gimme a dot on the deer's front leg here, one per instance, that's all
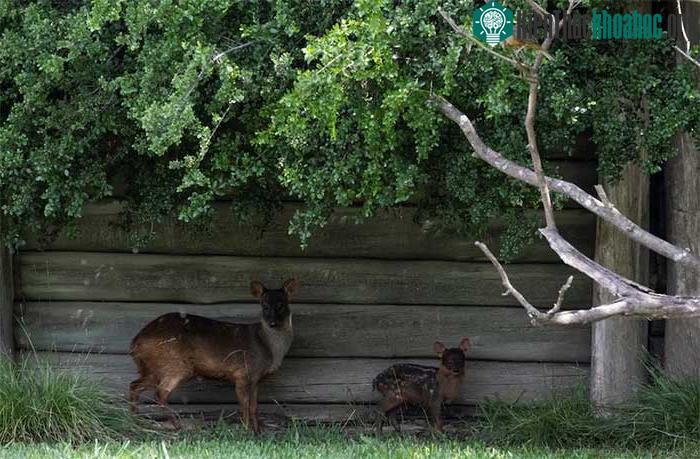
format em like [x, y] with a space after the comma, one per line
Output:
[255, 424]
[243, 395]
[435, 410]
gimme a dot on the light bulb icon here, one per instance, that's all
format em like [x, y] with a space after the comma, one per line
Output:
[494, 21]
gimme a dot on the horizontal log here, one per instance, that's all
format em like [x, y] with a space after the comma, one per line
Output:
[389, 235]
[332, 330]
[277, 414]
[212, 279]
[336, 380]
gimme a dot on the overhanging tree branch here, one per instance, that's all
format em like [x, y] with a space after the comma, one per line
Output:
[568, 189]
[634, 299]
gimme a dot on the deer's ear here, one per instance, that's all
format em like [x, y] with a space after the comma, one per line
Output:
[257, 289]
[465, 344]
[290, 286]
[438, 348]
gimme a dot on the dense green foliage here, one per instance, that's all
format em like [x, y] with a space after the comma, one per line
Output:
[175, 104]
[39, 403]
[665, 414]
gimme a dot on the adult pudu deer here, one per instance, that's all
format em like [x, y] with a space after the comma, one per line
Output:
[407, 384]
[177, 347]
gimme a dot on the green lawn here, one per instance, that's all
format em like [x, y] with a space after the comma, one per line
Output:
[231, 442]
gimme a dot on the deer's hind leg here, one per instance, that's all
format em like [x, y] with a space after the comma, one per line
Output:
[146, 382]
[390, 407]
[165, 387]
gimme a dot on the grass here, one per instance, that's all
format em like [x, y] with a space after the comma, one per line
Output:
[46, 412]
[666, 414]
[312, 442]
[41, 404]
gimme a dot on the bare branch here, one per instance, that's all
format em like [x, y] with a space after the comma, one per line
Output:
[532, 111]
[616, 284]
[534, 150]
[510, 290]
[635, 299]
[538, 8]
[603, 195]
[522, 173]
[685, 35]
[647, 305]
[218, 57]
[560, 297]
[686, 55]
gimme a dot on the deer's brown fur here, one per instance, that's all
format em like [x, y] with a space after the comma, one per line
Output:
[177, 347]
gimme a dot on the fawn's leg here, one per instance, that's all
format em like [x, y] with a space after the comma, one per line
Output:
[435, 411]
[389, 407]
[396, 418]
[379, 422]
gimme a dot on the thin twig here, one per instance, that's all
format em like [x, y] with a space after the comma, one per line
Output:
[648, 304]
[603, 195]
[685, 35]
[687, 56]
[531, 115]
[230, 50]
[560, 297]
[538, 8]
[510, 290]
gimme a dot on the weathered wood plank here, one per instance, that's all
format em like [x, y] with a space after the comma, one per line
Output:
[619, 344]
[337, 380]
[496, 333]
[682, 339]
[211, 279]
[389, 234]
[6, 301]
[275, 414]
[269, 413]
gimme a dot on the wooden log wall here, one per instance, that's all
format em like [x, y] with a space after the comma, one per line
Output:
[7, 346]
[372, 294]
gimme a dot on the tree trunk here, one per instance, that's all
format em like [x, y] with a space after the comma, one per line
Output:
[618, 344]
[6, 301]
[682, 336]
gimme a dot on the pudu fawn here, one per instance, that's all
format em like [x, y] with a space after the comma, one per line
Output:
[177, 347]
[407, 384]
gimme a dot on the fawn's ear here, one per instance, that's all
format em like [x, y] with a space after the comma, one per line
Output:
[290, 286]
[465, 344]
[257, 289]
[438, 348]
